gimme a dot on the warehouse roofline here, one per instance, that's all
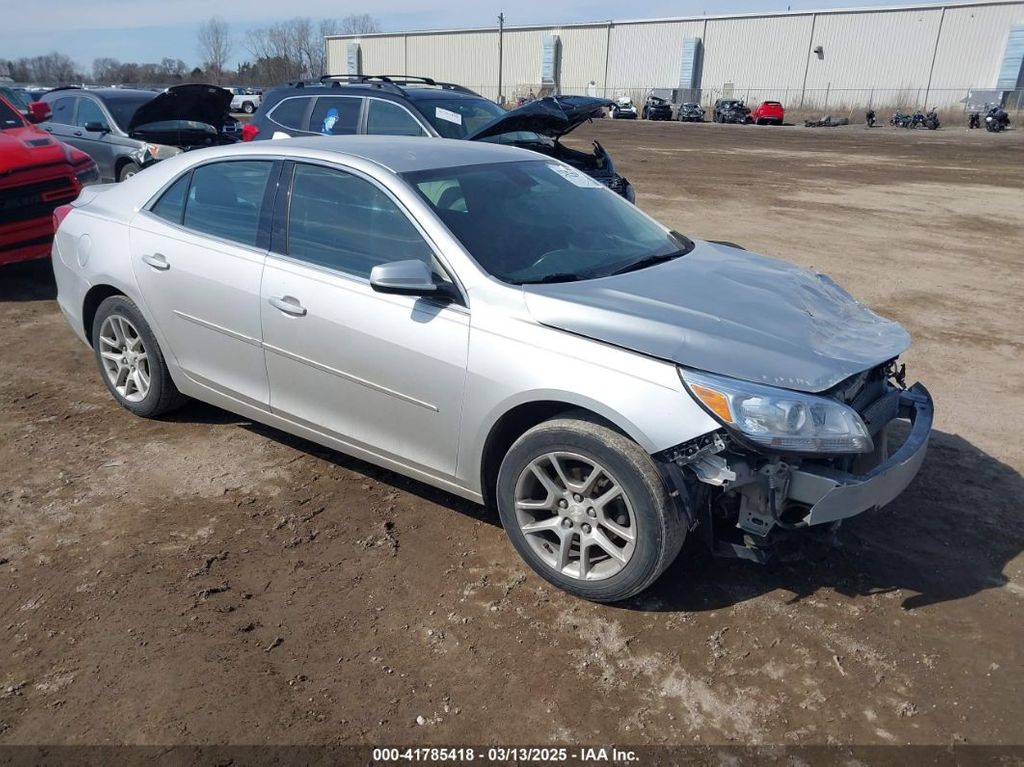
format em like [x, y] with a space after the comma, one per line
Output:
[662, 20]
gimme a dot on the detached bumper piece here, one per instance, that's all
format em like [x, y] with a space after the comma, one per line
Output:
[834, 495]
[756, 506]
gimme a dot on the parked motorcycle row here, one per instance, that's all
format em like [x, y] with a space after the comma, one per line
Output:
[996, 120]
[919, 119]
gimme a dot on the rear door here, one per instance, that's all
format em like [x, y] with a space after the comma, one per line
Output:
[62, 123]
[384, 373]
[198, 256]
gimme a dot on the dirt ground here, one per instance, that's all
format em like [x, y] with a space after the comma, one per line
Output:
[203, 579]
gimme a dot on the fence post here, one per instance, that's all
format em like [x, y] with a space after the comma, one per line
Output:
[828, 87]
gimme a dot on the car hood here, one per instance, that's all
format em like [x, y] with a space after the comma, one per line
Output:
[551, 116]
[723, 310]
[194, 102]
[27, 148]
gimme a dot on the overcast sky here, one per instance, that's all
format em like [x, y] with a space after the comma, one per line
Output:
[148, 30]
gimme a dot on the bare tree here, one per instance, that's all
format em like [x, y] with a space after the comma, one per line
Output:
[215, 45]
[358, 24]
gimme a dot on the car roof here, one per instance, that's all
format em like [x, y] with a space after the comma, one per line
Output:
[399, 154]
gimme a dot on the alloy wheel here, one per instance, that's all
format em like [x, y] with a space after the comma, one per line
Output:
[575, 515]
[125, 359]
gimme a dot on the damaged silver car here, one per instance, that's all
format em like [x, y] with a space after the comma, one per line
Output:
[502, 326]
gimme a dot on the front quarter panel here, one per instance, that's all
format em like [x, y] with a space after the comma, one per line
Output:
[514, 361]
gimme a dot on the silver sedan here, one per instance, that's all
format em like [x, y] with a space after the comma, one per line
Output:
[501, 326]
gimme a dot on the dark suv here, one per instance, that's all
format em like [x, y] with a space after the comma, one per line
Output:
[731, 111]
[419, 106]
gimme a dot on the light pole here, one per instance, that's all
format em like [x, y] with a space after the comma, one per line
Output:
[501, 35]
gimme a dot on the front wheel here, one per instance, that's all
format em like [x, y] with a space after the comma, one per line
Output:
[128, 170]
[130, 360]
[586, 508]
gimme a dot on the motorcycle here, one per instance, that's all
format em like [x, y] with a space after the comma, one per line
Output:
[974, 120]
[997, 120]
[931, 120]
[869, 118]
[900, 120]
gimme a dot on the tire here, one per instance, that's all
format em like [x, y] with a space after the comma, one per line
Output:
[248, 107]
[120, 327]
[642, 508]
[128, 170]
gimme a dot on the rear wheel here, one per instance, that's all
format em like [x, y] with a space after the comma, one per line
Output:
[587, 510]
[130, 360]
[248, 107]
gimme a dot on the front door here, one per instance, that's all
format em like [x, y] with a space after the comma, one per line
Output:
[384, 373]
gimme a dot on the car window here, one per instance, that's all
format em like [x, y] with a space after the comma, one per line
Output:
[9, 118]
[89, 112]
[344, 222]
[335, 115]
[459, 117]
[390, 119]
[224, 199]
[171, 205]
[578, 229]
[63, 110]
[289, 113]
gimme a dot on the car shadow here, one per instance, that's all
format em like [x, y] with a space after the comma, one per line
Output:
[28, 281]
[948, 536]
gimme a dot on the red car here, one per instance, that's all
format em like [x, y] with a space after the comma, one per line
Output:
[37, 173]
[769, 113]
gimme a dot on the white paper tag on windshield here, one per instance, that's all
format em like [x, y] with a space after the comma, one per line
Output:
[575, 177]
[448, 115]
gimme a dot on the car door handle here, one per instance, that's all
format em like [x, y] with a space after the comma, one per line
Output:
[49, 130]
[78, 133]
[289, 305]
[157, 261]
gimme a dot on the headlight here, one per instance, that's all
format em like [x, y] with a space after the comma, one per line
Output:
[161, 151]
[90, 175]
[780, 419]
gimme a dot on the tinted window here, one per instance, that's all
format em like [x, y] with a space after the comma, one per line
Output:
[458, 117]
[335, 115]
[123, 106]
[390, 119]
[63, 110]
[225, 197]
[171, 204]
[289, 113]
[343, 222]
[89, 112]
[577, 228]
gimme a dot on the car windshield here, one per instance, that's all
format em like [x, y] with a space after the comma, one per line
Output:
[459, 117]
[9, 118]
[124, 106]
[18, 99]
[542, 221]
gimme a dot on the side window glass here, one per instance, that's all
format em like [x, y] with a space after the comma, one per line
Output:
[63, 110]
[171, 205]
[335, 115]
[346, 223]
[389, 119]
[225, 198]
[289, 113]
[89, 112]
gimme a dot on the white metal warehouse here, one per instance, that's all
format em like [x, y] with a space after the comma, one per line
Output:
[921, 55]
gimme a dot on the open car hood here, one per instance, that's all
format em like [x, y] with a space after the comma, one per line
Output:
[551, 116]
[724, 310]
[193, 102]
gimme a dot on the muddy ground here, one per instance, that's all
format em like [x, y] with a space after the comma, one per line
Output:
[203, 579]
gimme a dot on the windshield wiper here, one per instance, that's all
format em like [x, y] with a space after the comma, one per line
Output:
[646, 261]
[556, 277]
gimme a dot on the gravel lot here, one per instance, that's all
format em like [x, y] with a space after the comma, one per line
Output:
[203, 579]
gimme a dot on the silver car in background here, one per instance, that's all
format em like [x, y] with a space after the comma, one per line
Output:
[499, 325]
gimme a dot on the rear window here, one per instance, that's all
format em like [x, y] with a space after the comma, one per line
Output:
[290, 113]
[772, 104]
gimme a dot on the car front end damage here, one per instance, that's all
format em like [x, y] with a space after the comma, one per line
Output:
[753, 492]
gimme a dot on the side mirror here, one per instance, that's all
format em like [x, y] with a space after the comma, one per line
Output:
[39, 112]
[407, 278]
[96, 127]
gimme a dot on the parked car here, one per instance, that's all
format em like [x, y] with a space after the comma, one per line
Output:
[623, 108]
[126, 130]
[245, 100]
[730, 111]
[420, 106]
[690, 112]
[499, 325]
[769, 113]
[657, 108]
[37, 174]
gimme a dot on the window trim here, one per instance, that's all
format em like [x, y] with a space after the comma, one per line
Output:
[282, 207]
[306, 112]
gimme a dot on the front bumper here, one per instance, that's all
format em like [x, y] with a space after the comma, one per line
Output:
[833, 495]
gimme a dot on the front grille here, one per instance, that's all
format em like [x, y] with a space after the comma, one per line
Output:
[38, 200]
